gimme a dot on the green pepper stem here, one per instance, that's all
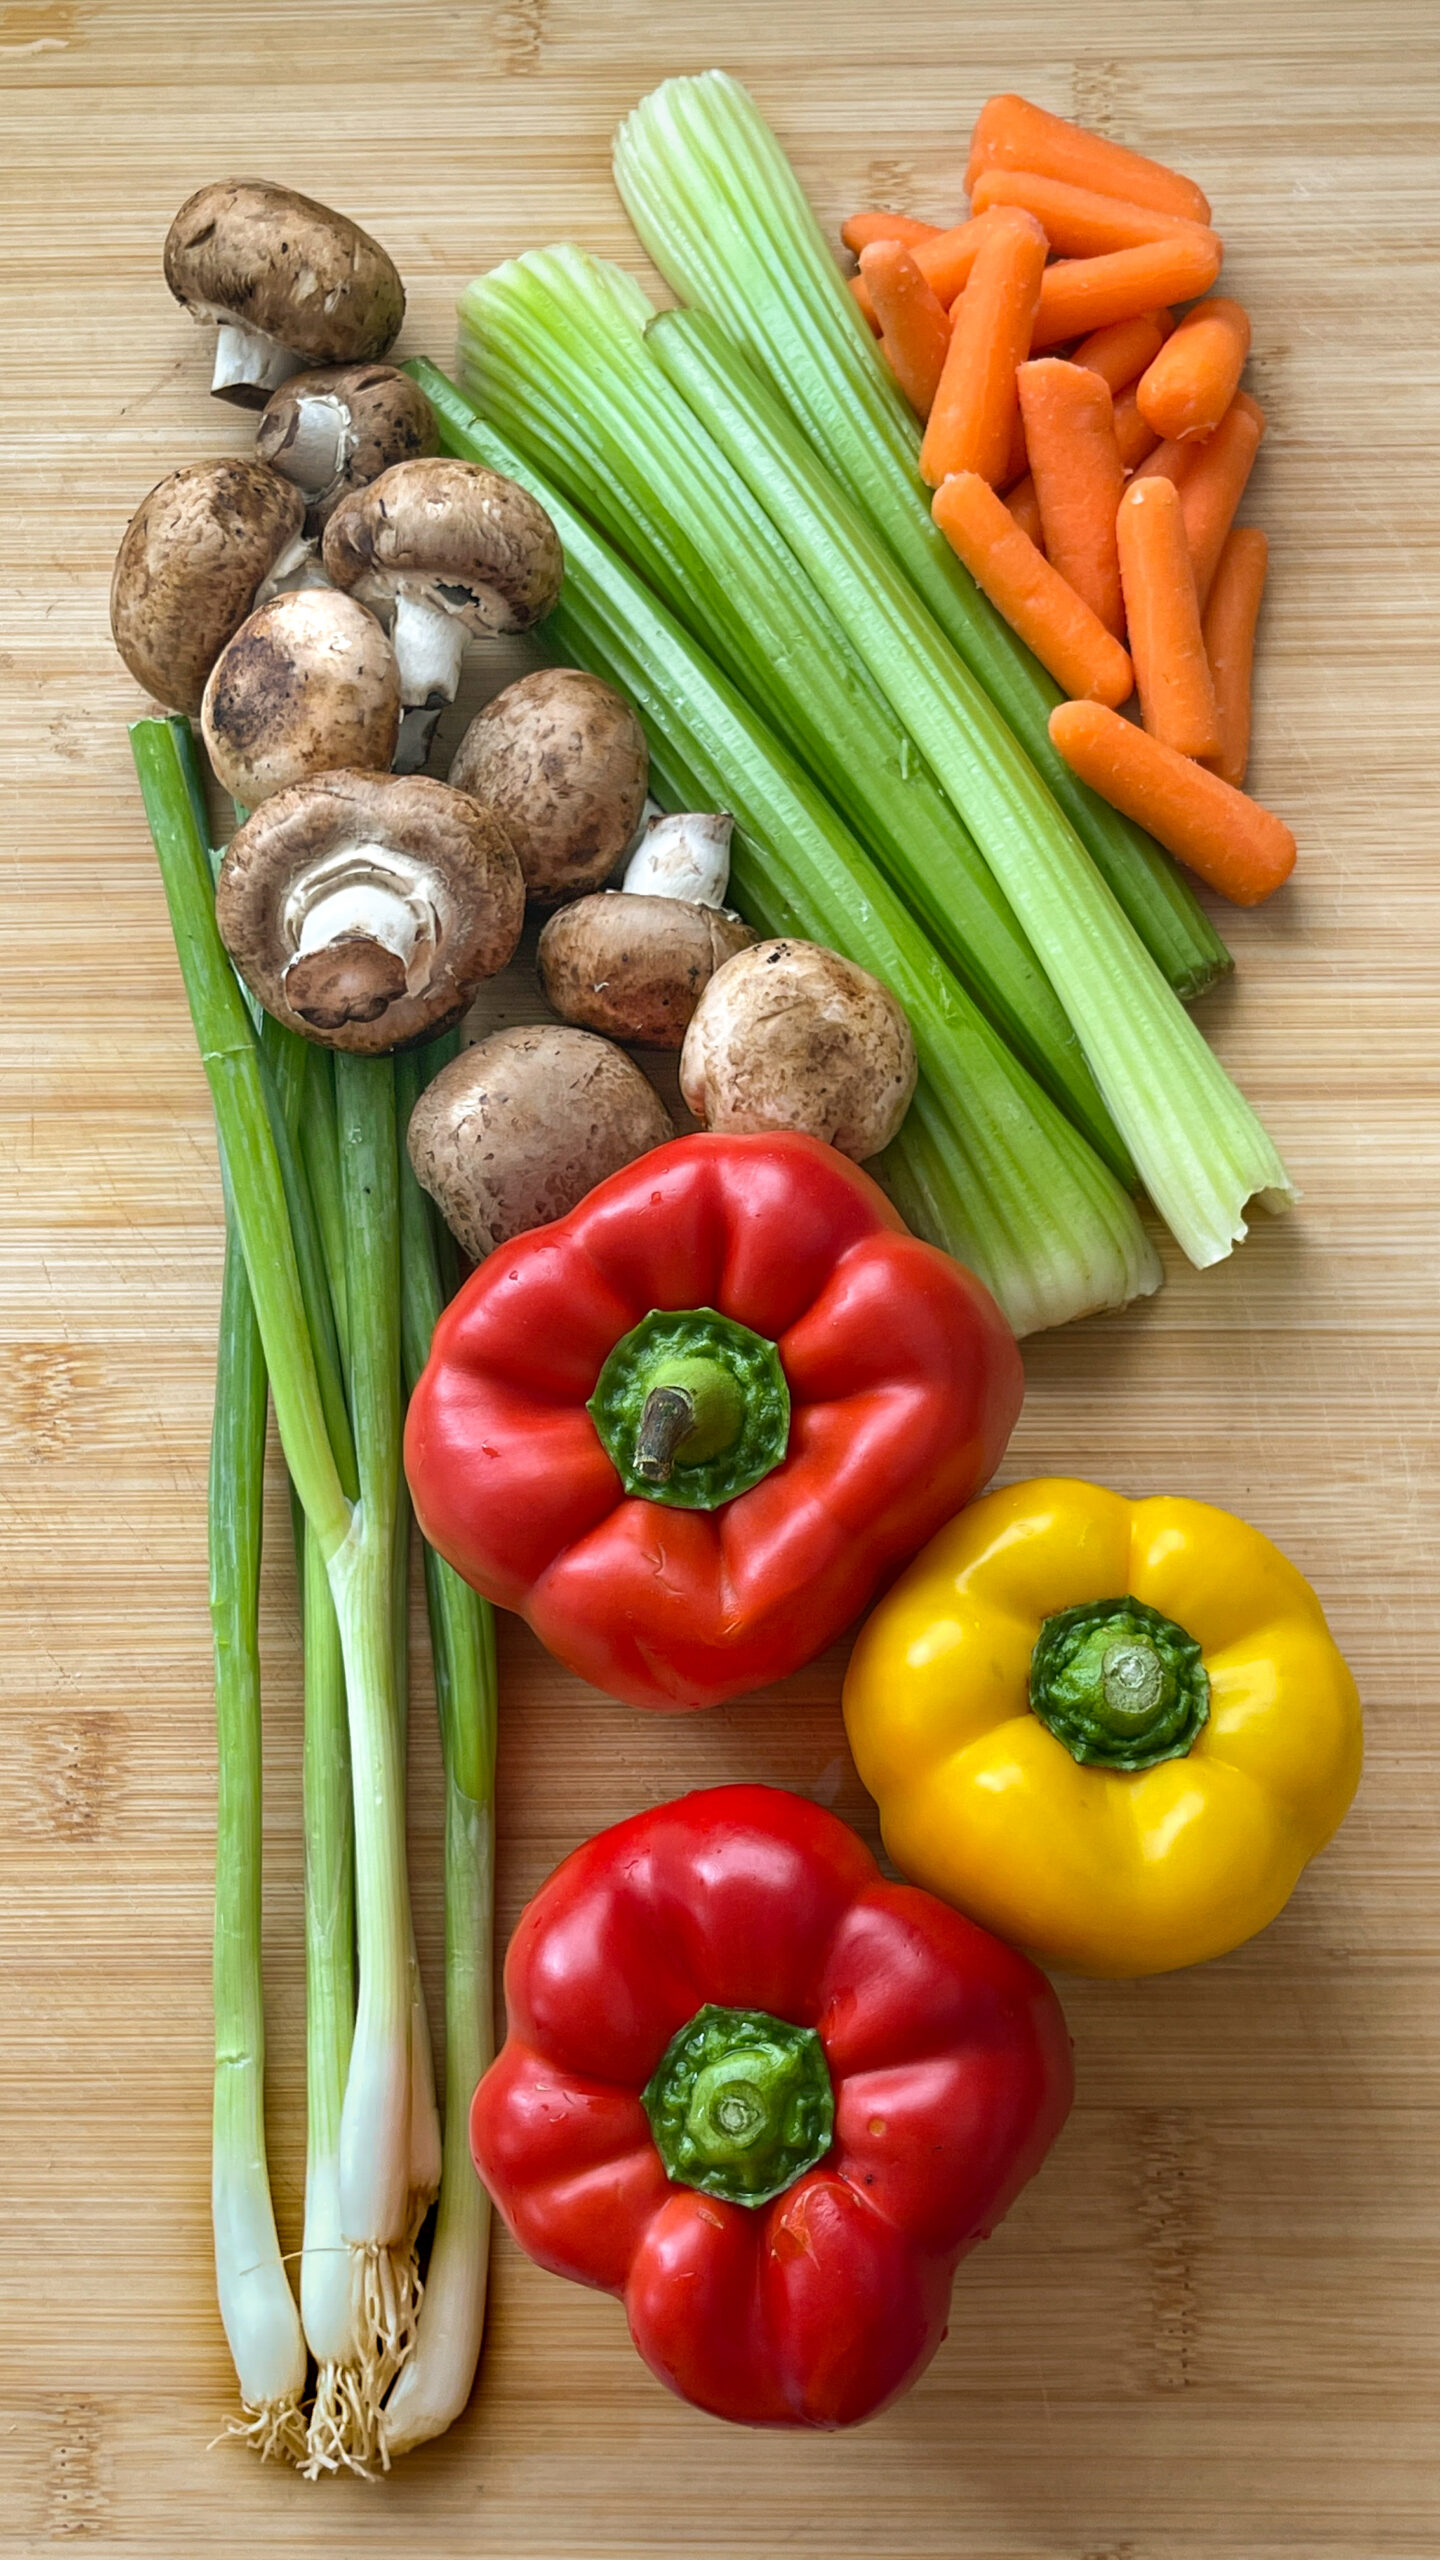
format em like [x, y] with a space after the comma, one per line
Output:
[741, 2104]
[1119, 1684]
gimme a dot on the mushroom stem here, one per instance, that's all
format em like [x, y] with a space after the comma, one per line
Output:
[249, 365]
[417, 735]
[320, 446]
[295, 566]
[429, 644]
[684, 856]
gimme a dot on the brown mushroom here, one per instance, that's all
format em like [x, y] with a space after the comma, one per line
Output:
[365, 909]
[306, 685]
[443, 549]
[561, 757]
[788, 1035]
[515, 1131]
[287, 282]
[633, 967]
[683, 855]
[336, 429]
[191, 563]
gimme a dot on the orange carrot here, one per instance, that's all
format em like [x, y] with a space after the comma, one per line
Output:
[974, 409]
[946, 261]
[1241, 849]
[1082, 294]
[1121, 353]
[914, 324]
[1035, 600]
[1214, 485]
[1024, 506]
[1133, 438]
[1194, 378]
[1079, 479]
[861, 291]
[1229, 634]
[1168, 461]
[1017, 460]
[1012, 134]
[1076, 221]
[1172, 672]
[862, 228]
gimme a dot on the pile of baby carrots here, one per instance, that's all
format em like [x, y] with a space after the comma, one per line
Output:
[1088, 453]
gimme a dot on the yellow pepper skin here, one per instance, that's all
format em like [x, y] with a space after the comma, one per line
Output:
[1102, 1870]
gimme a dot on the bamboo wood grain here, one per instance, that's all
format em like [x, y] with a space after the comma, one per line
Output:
[1210, 2331]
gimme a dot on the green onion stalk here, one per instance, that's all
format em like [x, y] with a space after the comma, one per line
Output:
[257, 2306]
[436, 2380]
[1201, 1151]
[1025, 1202]
[355, 1532]
[553, 349]
[722, 214]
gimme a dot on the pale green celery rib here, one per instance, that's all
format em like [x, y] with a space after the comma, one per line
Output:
[552, 345]
[1033, 1210]
[720, 210]
[1201, 1151]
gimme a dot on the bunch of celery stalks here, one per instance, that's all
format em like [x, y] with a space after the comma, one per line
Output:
[750, 559]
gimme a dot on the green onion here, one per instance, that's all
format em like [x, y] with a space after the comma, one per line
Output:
[379, 2210]
[720, 210]
[1028, 1206]
[435, 2384]
[553, 345]
[256, 2303]
[1201, 1151]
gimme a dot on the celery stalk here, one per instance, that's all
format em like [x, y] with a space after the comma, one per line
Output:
[1031, 1208]
[720, 210]
[554, 344]
[1201, 1151]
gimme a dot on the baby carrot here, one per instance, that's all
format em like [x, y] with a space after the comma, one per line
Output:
[1024, 506]
[1010, 133]
[1168, 461]
[946, 260]
[1172, 672]
[1229, 633]
[1121, 353]
[1244, 851]
[1134, 440]
[1017, 460]
[1035, 600]
[862, 228]
[1081, 294]
[1079, 479]
[914, 324]
[1214, 485]
[1186, 391]
[1076, 221]
[975, 406]
[861, 291]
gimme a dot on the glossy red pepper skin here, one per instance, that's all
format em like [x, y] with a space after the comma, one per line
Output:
[904, 1380]
[950, 2064]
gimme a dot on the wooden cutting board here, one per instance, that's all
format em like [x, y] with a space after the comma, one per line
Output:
[1209, 2332]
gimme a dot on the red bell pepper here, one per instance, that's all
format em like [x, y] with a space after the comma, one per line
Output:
[767, 2098]
[687, 1430]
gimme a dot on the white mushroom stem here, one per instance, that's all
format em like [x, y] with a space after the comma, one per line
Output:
[249, 360]
[296, 566]
[684, 856]
[429, 645]
[368, 893]
[320, 446]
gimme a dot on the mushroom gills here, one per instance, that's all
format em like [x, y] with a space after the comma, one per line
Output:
[364, 931]
[249, 365]
[686, 855]
[296, 566]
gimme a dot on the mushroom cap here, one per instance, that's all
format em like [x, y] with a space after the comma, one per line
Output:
[561, 757]
[307, 684]
[787, 1035]
[484, 546]
[189, 562]
[382, 416]
[633, 967]
[453, 855]
[515, 1131]
[244, 249]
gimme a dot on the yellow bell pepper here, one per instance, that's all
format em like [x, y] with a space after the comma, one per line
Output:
[1120, 1790]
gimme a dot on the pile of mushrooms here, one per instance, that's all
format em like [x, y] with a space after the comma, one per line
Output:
[311, 604]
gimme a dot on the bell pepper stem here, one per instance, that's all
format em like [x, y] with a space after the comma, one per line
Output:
[741, 2104]
[667, 1421]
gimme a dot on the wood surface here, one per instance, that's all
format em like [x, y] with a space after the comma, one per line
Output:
[1209, 2331]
